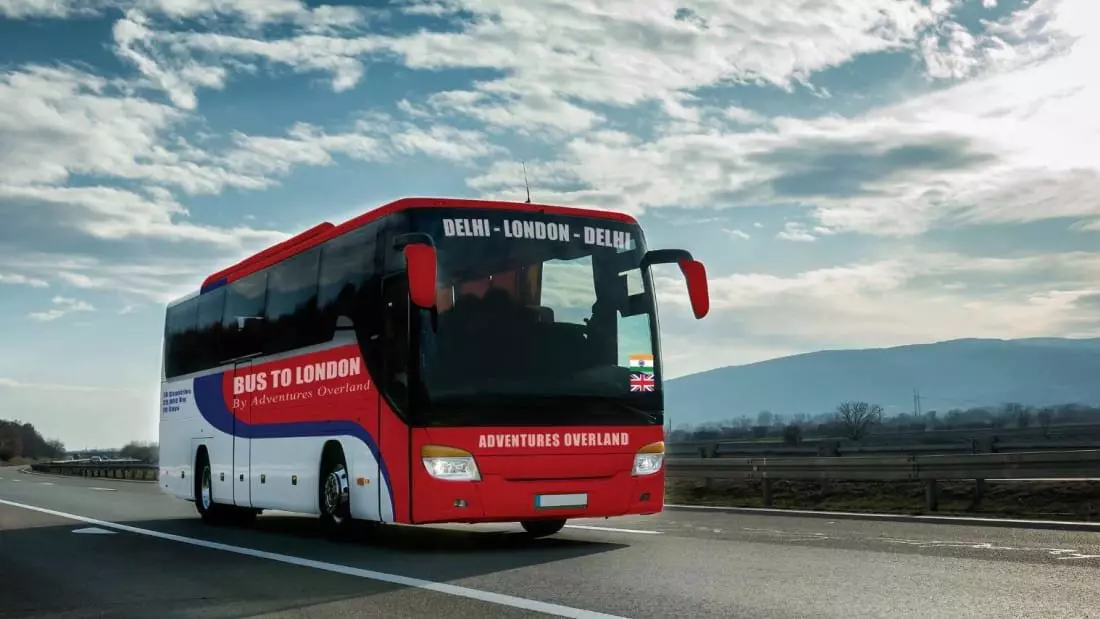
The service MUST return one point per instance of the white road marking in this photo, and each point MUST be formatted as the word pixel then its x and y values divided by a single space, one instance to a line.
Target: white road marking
pixel 617 530
pixel 104 489
pixel 94 531
pixel 45 483
pixel 16 481
pixel 407 581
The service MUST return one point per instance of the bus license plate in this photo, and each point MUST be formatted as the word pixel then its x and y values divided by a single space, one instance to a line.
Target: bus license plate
pixel 544 501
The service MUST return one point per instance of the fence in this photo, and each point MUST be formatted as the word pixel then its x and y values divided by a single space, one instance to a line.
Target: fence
pixel 110 469
pixel 930 469
pixel 1065 464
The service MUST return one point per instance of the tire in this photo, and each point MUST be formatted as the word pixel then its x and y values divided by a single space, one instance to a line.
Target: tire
pixel 334 494
pixel 209 511
pixel 542 528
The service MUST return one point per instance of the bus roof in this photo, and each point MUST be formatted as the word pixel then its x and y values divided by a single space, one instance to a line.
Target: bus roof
pixel 324 231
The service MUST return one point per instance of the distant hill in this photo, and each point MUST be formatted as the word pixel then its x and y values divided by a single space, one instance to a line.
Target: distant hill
pixel 953 374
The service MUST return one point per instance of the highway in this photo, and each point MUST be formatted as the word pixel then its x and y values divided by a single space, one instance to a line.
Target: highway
pixel 72 547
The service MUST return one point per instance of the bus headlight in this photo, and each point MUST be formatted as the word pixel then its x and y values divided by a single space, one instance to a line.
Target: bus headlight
pixel 649 459
pixel 449 463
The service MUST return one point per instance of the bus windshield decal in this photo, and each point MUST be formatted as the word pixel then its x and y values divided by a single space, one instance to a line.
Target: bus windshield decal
pixel 537 230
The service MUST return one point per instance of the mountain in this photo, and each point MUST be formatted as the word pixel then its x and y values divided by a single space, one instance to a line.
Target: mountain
pixel 953 374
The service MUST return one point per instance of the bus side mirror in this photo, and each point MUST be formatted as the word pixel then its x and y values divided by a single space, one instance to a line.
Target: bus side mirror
pixel 695 274
pixel 420 260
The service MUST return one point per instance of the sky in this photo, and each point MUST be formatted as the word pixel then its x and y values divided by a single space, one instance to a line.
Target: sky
pixel 854 173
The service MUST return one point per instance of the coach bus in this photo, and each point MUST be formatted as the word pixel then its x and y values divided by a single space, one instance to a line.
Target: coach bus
pixel 429 361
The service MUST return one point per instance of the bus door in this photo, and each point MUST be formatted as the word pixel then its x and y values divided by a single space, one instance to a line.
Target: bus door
pixel 242 444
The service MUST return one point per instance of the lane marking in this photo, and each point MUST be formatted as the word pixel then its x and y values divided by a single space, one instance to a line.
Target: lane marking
pixel 104 489
pixel 45 483
pixel 614 529
pixel 94 531
pixel 406 581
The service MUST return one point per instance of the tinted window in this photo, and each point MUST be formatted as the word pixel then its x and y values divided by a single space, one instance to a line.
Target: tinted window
pixel 244 299
pixel 179 336
pixel 209 336
pixel 292 316
pixel 347 265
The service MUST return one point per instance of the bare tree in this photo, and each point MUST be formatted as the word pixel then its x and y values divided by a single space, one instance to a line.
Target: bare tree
pixel 1045 417
pixel 858 417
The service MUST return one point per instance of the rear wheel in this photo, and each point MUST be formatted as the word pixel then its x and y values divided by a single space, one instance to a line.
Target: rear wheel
pixel 542 528
pixel 334 495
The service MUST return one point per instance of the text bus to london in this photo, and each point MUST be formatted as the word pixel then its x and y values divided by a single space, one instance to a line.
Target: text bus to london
pixel 429 361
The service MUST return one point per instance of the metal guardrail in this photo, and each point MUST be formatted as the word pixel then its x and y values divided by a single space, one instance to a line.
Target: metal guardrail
pixel 105 468
pixel 839 448
pixel 1065 464
pixel 927 468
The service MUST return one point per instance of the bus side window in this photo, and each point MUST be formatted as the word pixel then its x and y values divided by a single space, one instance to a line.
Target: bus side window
pixel 347 270
pixel 291 316
pixel 243 321
pixel 179 330
pixel 209 337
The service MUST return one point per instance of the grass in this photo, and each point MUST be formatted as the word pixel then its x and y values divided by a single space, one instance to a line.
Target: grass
pixel 1034 500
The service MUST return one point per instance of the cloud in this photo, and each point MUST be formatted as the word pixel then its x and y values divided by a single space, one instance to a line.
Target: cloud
pixel 737 233
pixel 18 279
pixel 11 383
pixel 552 58
pixel 62 307
pixel 1002 147
pixel 909 298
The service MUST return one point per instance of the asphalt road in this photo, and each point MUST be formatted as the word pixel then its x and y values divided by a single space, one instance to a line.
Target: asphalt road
pixel 158 560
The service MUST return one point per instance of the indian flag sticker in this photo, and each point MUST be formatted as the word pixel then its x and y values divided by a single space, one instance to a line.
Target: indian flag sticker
pixel 642 363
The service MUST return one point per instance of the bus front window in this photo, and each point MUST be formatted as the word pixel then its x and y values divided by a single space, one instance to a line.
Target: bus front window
pixel 539 330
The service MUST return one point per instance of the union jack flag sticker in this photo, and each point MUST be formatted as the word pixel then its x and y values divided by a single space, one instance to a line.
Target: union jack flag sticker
pixel 641 382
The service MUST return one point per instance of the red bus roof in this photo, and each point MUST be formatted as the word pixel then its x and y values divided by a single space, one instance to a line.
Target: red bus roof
pixel 325 231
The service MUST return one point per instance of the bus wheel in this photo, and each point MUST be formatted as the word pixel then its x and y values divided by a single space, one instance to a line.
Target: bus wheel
pixel 334 494
pixel 542 528
pixel 211 512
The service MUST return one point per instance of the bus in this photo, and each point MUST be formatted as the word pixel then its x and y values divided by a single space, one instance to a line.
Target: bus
pixel 429 361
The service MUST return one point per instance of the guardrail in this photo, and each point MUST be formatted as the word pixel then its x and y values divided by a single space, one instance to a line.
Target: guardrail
pixel 1067 464
pixel 839 448
pixel 927 468
pixel 111 470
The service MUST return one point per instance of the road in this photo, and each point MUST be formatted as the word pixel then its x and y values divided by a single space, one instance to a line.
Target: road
pixel 149 556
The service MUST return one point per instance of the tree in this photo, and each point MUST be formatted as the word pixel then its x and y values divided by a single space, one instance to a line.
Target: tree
pixel 858 418
pixel 764 418
pixel 1045 417
pixel 145 452
pixel 792 435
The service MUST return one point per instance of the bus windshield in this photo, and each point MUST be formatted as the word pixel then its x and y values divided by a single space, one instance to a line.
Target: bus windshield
pixel 543 319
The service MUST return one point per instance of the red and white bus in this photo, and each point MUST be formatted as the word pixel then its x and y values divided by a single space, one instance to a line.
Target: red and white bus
pixel 430 361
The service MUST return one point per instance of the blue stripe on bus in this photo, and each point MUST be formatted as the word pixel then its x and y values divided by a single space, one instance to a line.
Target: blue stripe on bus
pixel 210 401
pixel 214 285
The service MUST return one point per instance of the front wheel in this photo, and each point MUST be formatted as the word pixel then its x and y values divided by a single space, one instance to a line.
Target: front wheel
pixel 334 497
pixel 209 511
pixel 542 528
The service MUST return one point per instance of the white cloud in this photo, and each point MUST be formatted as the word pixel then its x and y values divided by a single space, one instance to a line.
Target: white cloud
pixel 62 306
pixel 737 233
pixel 19 279
pixel 914 297
pixel 794 231
pixel 1013 145
pixel 12 383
